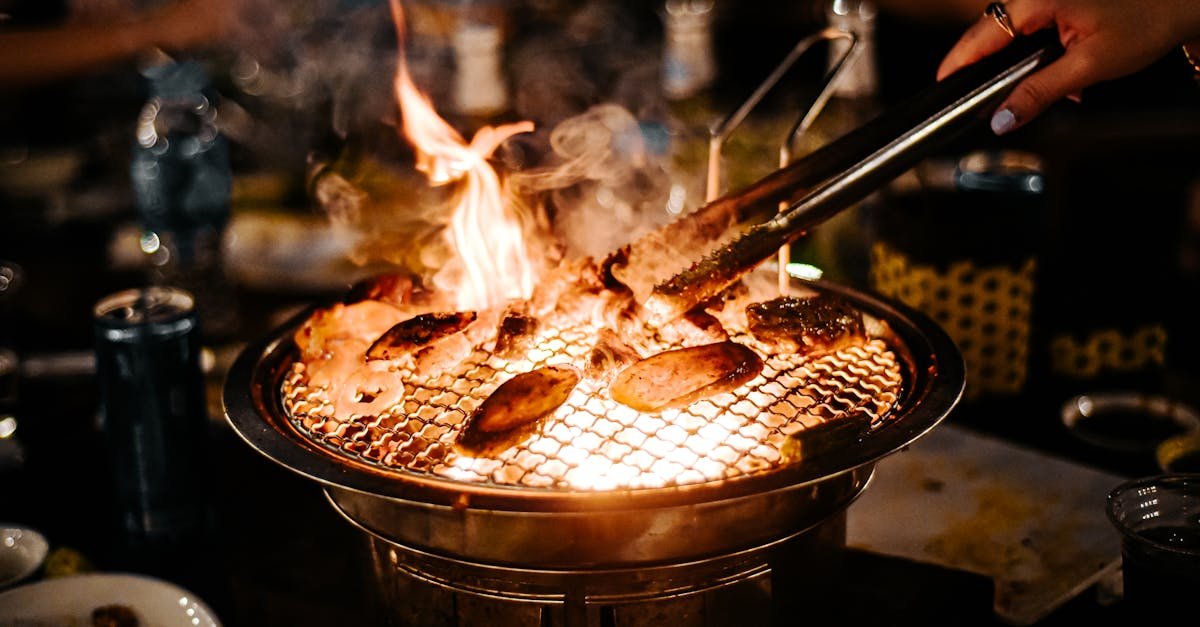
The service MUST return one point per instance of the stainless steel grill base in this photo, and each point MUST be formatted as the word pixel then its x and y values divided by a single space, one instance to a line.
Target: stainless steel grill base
pixel 420 589
pixel 605 538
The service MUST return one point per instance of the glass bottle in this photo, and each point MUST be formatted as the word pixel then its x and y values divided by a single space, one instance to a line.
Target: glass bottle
pixel 839 246
pixel 689 65
pixel 479 91
pixel 182 183
pixel 688 72
pixel 480 84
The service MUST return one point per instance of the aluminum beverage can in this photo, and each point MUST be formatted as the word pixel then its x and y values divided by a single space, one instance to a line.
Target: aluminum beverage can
pixel 153 412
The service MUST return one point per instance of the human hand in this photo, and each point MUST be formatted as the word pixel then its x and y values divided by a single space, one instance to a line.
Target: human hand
pixel 1103 40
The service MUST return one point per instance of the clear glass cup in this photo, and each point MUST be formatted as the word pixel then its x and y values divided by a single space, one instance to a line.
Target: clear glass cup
pixel 1159 522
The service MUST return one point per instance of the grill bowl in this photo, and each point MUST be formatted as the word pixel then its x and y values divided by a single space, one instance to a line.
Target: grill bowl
pixel 572 528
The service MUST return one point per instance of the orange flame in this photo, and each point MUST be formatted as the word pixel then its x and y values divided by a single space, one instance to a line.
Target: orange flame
pixel 484 232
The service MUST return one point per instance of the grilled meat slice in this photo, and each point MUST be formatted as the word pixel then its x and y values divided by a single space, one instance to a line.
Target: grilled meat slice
pixel 567 289
pixel 516 332
pixel 442 355
pixel 360 321
pixel 609 356
pixel 516 410
pixel 367 391
pixel 396 289
pixel 696 328
pixel 417 333
pixel 618 312
pixel 680 377
pixel 816 324
pixel 338 361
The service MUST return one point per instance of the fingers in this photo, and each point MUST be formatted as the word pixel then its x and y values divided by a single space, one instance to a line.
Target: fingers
pixel 986 36
pixel 1064 78
pixel 983 38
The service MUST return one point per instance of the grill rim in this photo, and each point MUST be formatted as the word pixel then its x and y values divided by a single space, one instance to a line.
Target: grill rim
pixel 934 381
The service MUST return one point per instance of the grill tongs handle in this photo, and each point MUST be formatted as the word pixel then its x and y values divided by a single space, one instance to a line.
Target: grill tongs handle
pixel 847 170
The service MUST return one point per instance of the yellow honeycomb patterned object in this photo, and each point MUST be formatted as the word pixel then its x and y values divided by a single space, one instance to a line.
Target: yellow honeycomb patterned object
pixel 1108 350
pixel 986 310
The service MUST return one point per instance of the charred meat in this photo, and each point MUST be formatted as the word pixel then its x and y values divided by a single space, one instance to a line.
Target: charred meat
pixel 697 327
pixel 678 378
pixel 367 391
pixel 816 324
pixel 441 356
pixel 396 289
pixel 609 356
pixel 516 333
pixel 362 321
pixel 567 290
pixel 417 333
pixel 516 410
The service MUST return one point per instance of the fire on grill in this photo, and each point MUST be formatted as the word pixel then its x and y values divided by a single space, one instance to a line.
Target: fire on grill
pixel 597 397
pixel 566 380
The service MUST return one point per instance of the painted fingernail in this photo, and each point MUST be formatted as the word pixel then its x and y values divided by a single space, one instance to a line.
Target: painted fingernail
pixel 1003 121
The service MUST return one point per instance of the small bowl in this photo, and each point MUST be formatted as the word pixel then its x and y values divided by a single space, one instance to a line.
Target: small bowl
pixel 1127 422
pixel 22 552
pixel 1179 454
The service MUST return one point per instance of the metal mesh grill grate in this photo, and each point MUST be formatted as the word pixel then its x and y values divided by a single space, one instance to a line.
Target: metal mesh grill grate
pixel 593 442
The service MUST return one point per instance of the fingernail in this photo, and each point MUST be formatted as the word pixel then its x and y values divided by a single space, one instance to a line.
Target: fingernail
pixel 1003 121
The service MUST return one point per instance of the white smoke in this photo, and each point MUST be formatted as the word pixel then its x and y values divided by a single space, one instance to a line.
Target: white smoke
pixel 605 188
pixel 587 172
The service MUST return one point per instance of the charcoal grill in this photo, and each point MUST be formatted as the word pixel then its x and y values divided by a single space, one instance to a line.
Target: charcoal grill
pixel 602 488
pixel 517 515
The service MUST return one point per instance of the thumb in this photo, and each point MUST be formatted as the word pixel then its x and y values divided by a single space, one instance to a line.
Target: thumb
pixel 1065 76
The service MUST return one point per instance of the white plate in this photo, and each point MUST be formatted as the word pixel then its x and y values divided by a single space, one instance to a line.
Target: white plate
pixel 22 551
pixel 69 601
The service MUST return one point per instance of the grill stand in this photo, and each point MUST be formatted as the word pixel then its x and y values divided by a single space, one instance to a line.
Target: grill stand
pixel 419 589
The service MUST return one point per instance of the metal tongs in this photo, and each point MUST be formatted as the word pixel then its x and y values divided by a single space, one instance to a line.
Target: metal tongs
pixel 834 177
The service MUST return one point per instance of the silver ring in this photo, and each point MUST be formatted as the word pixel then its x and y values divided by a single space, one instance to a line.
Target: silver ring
pixel 999 14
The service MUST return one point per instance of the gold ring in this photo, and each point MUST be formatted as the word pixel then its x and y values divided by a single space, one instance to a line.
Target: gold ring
pixel 999 14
